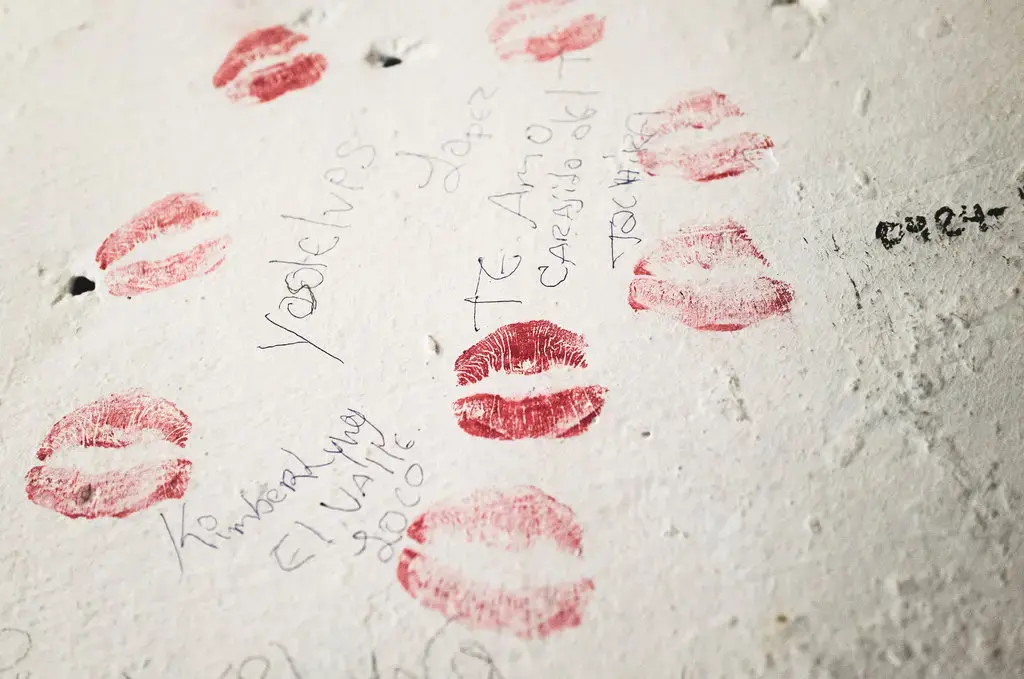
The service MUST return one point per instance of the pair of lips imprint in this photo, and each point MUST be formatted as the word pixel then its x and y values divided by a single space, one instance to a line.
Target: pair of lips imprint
pixel 263 84
pixel 115 421
pixel 526 348
pixel 731 304
pixel 577 34
pixel 703 161
pixel 176 212
pixel 514 520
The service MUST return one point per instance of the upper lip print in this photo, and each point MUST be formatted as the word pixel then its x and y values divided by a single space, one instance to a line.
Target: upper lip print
pixel 176 212
pixel 114 421
pixel 271 81
pixel 516 520
pixel 701 160
pixel 730 303
pixel 526 348
pixel 523 349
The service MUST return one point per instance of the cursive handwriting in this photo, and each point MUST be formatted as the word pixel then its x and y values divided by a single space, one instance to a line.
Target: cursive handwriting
pixel 622 224
pixel 469 660
pixel 259 666
pixel 212 533
pixel 482 271
pixel 305 276
pixel 460 147
pixel 301 340
pixel 406 477
pixel 576 121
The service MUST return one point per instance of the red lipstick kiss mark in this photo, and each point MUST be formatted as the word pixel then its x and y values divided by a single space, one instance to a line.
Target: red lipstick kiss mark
pixel 578 34
pixel 513 521
pixel 723 305
pixel 270 82
pixel 526 348
pixel 707 160
pixel 522 349
pixel 176 212
pixel 560 415
pixel 727 157
pixel 115 421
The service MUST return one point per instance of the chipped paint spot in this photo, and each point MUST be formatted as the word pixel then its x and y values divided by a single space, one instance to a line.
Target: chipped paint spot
pixel 432 345
pixel 862 100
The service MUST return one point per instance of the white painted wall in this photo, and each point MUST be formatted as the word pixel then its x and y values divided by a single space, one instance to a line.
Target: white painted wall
pixel 832 491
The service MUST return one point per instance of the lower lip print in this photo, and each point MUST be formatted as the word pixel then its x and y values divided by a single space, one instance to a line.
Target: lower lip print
pixel 727 157
pixel 118 494
pixel 562 414
pixel 139 277
pixel 723 307
pixel 513 520
pixel 529 613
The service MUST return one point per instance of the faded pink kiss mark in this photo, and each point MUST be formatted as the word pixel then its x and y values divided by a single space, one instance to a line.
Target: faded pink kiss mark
pixel 571 35
pixel 701 303
pixel 174 213
pixel 668 150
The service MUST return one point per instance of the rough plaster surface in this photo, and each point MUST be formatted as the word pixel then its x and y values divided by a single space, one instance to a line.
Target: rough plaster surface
pixel 832 492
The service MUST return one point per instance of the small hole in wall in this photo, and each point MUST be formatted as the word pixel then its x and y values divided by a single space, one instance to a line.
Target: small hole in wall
pixel 79 285
pixel 376 57
pixel 645 434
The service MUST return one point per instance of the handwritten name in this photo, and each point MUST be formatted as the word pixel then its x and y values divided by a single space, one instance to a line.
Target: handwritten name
pixel 303 277
pixel 212 533
pixel 457 148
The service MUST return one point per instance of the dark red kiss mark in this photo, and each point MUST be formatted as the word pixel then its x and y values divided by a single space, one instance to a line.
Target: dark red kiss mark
pixel 559 415
pixel 115 421
pixel 526 348
pixel 578 34
pixel 176 212
pixel 522 349
pixel 514 521
pixel 703 304
pixel 270 82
